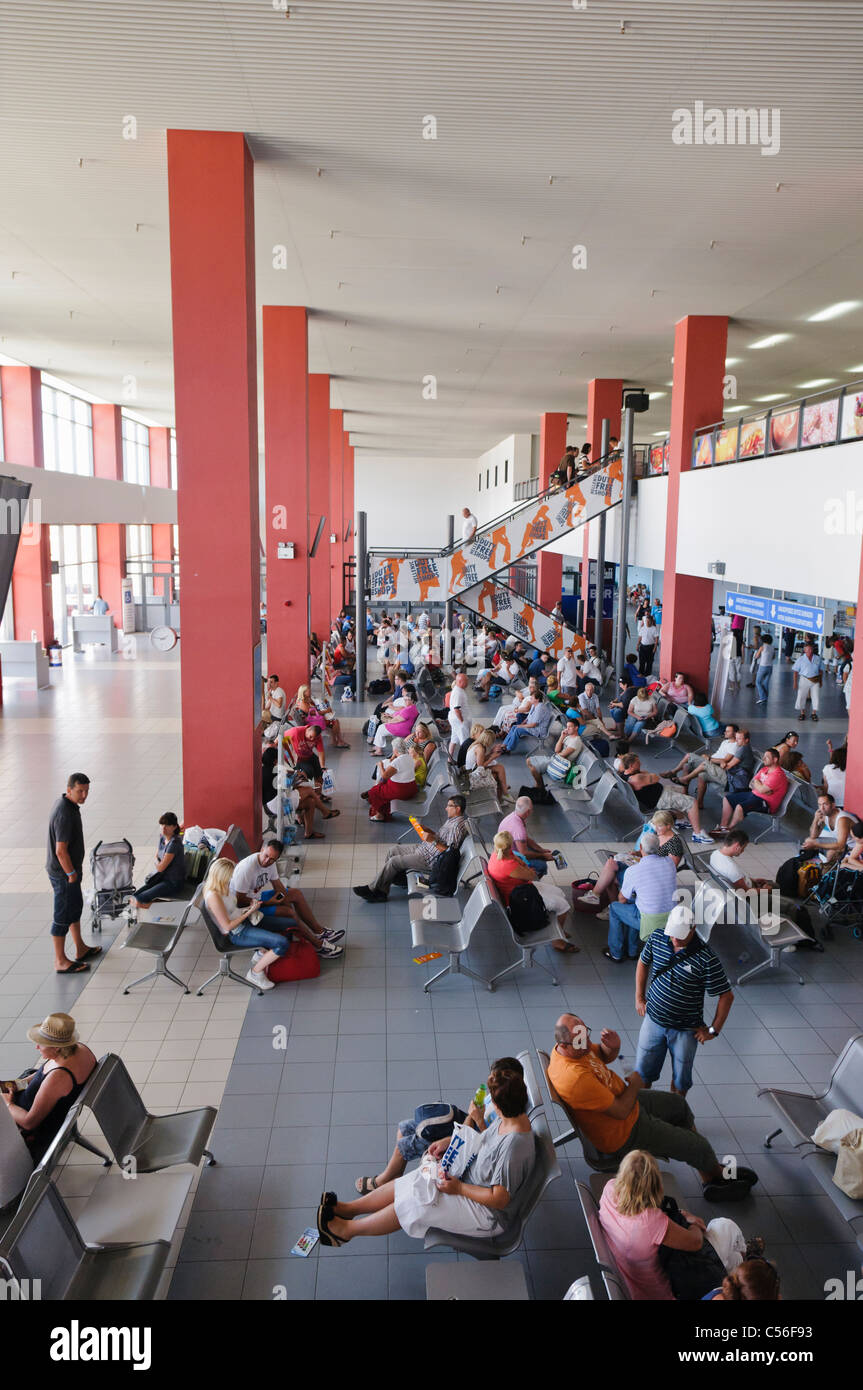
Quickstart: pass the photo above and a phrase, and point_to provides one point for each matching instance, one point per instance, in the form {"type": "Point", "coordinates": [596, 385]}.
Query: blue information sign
{"type": "Point", "coordinates": [776, 610]}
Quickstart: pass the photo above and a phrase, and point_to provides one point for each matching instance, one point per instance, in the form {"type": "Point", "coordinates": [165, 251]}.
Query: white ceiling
{"type": "Point", "coordinates": [449, 257]}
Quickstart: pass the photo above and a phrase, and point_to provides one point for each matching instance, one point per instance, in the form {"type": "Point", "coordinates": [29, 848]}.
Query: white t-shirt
{"type": "Point", "coordinates": [252, 877]}
{"type": "Point", "coordinates": [834, 780]}
{"type": "Point", "coordinates": [725, 867]}
{"type": "Point", "coordinates": [404, 768]}
{"type": "Point", "coordinates": [458, 701]}
{"type": "Point", "coordinates": [647, 633]}
{"type": "Point", "coordinates": [726, 749]}
{"type": "Point", "coordinates": [567, 672]}
{"type": "Point", "coordinates": [590, 670]}
{"type": "Point", "coordinates": [508, 671]}
{"type": "Point", "coordinates": [767, 654]}
{"type": "Point", "coordinates": [276, 702]}
{"type": "Point", "coordinates": [468, 527]}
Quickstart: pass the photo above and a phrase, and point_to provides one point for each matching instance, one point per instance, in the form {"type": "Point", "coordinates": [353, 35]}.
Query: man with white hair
{"type": "Point", "coordinates": [617, 1116]}
{"type": "Point", "coordinates": [523, 846]}
{"type": "Point", "coordinates": [652, 883]}
{"type": "Point", "coordinates": [672, 1002]}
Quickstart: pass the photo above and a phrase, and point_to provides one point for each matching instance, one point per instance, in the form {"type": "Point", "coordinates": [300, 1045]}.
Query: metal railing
{"type": "Point", "coordinates": [830, 416]}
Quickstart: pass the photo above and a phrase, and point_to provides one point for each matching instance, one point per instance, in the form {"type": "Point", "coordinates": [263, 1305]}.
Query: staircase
{"type": "Point", "coordinates": [527, 528]}
{"type": "Point", "coordinates": [530, 622]}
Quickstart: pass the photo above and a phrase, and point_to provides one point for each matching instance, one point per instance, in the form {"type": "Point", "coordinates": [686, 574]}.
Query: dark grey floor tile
{"type": "Point", "coordinates": [360, 1076]}
{"type": "Point", "coordinates": [361, 1047]}
{"type": "Point", "coordinates": [229, 1189]}
{"type": "Point", "coordinates": [813, 1220]}
{"type": "Point", "coordinates": [359, 1107]}
{"type": "Point", "coordinates": [298, 1144]}
{"type": "Point", "coordinates": [324, 1022]}
{"type": "Point", "coordinates": [782, 1174]}
{"type": "Point", "coordinates": [291, 1185]}
{"type": "Point", "coordinates": [357, 1021]}
{"type": "Point", "coordinates": [259, 1078]}
{"type": "Point", "coordinates": [366, 1278]}
{"type": "Point", "coordinates": [217, 1235]}
{"type": "Point", "coordinates": [798, 1040]}
{"type": "Point", "coordinates": [291, 1278]}
{"type": "Point", "coordinates": [246, 1112]}
{"type": "Point", "coordinates": [797, 1280]}
{"type": "Point", "coordinates": [308, 1076]}
{"type": "Point", "coordinates": [310, 1048]}
{"type": "Point", "coordinates": [407, 1275]}
{"type": "Point", "coordinates": [552, 1271]}
{"type": "Point", "coordinates": [557, 1226]}
{"type": "Point", "coordinates": [421, 1076]}
{"type": "Point", "coordinates": [303, 1108]}
{"type": "Point", "coordinates": [218, 1281]}
{"type": "Point", "coordinates": [828, 1261]}
{"type": "Point", "coordinates": [276, 1231]}
{"type": "Point", "coordinates": [241, 1147]}
{"type": "Point", "coordinates": [411, 1047]}
{"type": "Point", "coordinates": [256, 1049]}
{"type": "Point", "coordinates": [361, 1144]}
{"type": "Point", "coordinates": [462, 1077]}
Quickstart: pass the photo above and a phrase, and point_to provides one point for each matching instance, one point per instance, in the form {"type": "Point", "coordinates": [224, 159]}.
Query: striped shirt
{"type": "Point", "coordinates": [451, 833]}
{"type": "Point", "coordinates": [676, 998]}
{"type": "Point", "coordinates": [651, 882]}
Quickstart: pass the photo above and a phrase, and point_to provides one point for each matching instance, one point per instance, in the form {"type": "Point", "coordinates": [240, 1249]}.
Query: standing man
{"type": "Point", "coordinates": [808, 673]}
{"type": "Point", "coordinates": [275, 701]}
{"type": "Point", "coordinates": [468, 526]}
{"type": "Point", "coordinates": [100, 606]}
{"type": "Point", "coordinates": [672, 1004]}
{"type": "Point", "coordinates": [64, 864]}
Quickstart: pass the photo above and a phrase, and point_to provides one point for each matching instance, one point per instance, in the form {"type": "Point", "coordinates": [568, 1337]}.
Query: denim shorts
{"type": "Point", "coordinates": [68, 903]}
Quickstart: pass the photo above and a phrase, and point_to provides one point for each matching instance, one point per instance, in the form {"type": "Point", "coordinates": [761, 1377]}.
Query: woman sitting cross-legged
{"type": "Point", "coordinates": [503, 1161]}
{"type": "Point", "coordinates": [396, 782]}
{"type": "Point", "coordinates": [319, 717]}
{"type": "Point", "coordinates": [482, 762]}
{"type": "Point", "coordinates": [233, 922]}
{"type": "Point", "coordinates": [398, 719]}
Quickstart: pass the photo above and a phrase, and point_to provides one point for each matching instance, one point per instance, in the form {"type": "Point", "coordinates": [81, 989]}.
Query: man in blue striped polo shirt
{"type": "Point", "coordinates": [672, 1005]}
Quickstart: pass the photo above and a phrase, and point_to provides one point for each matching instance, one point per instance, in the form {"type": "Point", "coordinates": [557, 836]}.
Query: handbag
{"type": "Point", "coordinates": [834, 1127]}
{"type": "Point", "coordinates": [691, 1273]}
{"type": "Point", "coordinates": [559, 768]}
{"type": "Point", "coordinates": [848, 1174]}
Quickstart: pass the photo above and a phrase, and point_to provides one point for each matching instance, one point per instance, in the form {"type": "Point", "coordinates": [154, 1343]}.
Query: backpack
{"type": "Point", "coordinates": [540, 796]}
{"type": "Point", "coordinates": [379, 688]}
{"type": "Point", "coordinates": [691, 1273]}
{"type": "Point", "coordinates": [527, 911]}
{"type": "Point", "coordinates": [443, 874]}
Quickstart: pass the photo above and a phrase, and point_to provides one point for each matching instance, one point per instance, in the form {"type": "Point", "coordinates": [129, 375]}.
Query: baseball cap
{"type": "Point", "coordinates": [680, 922]}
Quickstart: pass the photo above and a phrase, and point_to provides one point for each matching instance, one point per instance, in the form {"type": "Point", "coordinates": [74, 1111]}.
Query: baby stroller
{"type": "Point", "coordinates": [839, 895]}
{"type": "Point", "coordinates": [111, 864]}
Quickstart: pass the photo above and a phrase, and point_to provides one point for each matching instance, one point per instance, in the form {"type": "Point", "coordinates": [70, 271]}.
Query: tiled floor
{"type": "Point", "coordinates": [312, 1078]}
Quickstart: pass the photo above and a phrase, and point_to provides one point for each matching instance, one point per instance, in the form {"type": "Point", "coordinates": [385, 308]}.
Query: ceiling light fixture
{"type": "Point", "coordinates": [818, 381]}
{"type": "Point", "coordinates": [771, 340]}
{"type": "Point", "coordinates": [834, 311]}
{"type": "Point", "coordinates": [774, 396]}
{"type": "Point", "coordinates": [655, 395]}
{"type": "Point", "coordinates": [736, 409]}
{"type": "Point", "coordinates": [732, 361]}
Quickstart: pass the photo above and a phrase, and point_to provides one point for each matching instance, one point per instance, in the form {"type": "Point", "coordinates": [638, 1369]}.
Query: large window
{"type": "Point", "coordinates": [173, 438]}
{"type": "Point", "coordinates": [67, 432]}
{"type": "Point", "coordinates": [139, 561]}
{"type": "Point", "coordinates": [136, 452]}
{"type": "Point", "coordinates": [76, 582]}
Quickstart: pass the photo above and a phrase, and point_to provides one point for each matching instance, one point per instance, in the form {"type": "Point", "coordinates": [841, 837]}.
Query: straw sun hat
{"type": "Point", "coordinates": [57, 1030]}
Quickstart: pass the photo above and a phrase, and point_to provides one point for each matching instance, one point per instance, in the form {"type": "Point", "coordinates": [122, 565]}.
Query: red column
{"type": "Point", "coordinates": [348, 516]}
{"type": "Point", "coordinates": [286, 460]}
{"type": "Point", "coordinates": [319, 500]}
{"type": "Point", "coordinates": [700, 344]}
{"type": "Point", "coordinates": [854, 770]}
{"type": "Point", "coordinates": [604, 399]}
{"type": "Point", "coordinates": [110, 535]}
{"type": "Point", "coordinates": [552, 442]}
{"type": "Point", "coordinates": [211, 201]}
{"type": "Point", "coordinates": [31, 576]}
{"type": "Point", "coordinates": [163, 532]}
{"type": "Point", "coordinates": [335, 524]}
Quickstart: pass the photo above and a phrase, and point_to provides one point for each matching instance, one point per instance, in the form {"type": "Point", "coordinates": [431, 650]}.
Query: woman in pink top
{"type": "Point", "coordinates": [635, 1226]}
{"type": "Point", "coordinates": [678, 691]}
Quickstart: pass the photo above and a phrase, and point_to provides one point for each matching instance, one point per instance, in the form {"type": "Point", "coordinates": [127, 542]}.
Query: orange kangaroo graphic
{"type": "Point", "coordinates": [486, 592]}
{"type": "Point", "coordinates": [557, 645]}
{"type": "Point", "coordinates": [500, 538]}
{"type": "Point", "coordinates": [425, 585]}
{"type": "Point", "coordinates": [528, 616]}
{"type": "Point", "coordinates": [539, 519]}
{"type": "Point", "coordinates": [614, 473]}
{"type": "Point", "coordinates": [396, 566]}
{"type": "Point", "coordinates": [574, 502]}
{"type": "Point", "coordinates": [457, 571]}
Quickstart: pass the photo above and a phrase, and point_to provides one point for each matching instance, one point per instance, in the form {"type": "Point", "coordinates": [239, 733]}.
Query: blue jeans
{"type": "Point", "coordinates": [653, 1043]}
{"type": "Point", "coordinates": [157, 887]}
{"type": "Point", "coordinates": [510, 743]}
{"type": "Point", "coordinates": [538, 864]}
{"type": "Point", "coordinates": [624, 925]}
{"type": "Point", "coordinates": [762, 680]}
{"type": "Point", "coordinates": [632, 726]}
{"type": "Point", "coordinates": [246, 935]}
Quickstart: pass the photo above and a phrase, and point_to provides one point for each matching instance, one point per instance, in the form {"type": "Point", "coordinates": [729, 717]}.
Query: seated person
{"type": "Point", "coordinates": [630, 670]}
{"type": "Point", "coordinates": [396, 781]}
{"type": "Point", "coordinates": [764, 793]}
{"type": "Point", "coordinates": [40, 1101]}
{"type": "Point", "coordinates": [794, 764]}
{"type": "Point", "coordinates": [536, 725]}
{"type": "Point", "coordinates": [652, 794]}
{"type": "Point", "coordinates": [524, 847]}
{"type": "Point", "coordinates": [706, 768]}
{"type": "Point", "coordinates": [678, 690]}
{"type": "Point", "coordinates": [723, 862]}
{"type": "Point", "coordinates": [756, 1280]}
{"type": "Point", "coordinates": [306, 745]}
{"type": "Point", "coordinates": [635, 1226]}
{"type": "Point", "coordinates": [642, 713]}
{"type": "Point", "coordinates": [507, 870]}
{"type": "Point", "coordinates": [569, 745]}
{"type": "Point", "coordinates": [418, 859]}
{"type": "Point", "coordinates": [626, 693]}
{"type": "Point", "coordinates": [421, 739]}
{"type": "Point", "coordinates": [420, 765]}
{"type": "Point", "coordinates": [506, 671]}
{"type": "Point", "coordinates": [652, 882]}
{"type": "Point", "coordinates": [319, 716]}
{"type": "Point", "coordinates": [234, 923]}
{"type": "Point", "coordinates": [829, 832]}
{"type": "Point", "coordinates": [275, 701]}
{"type": "Point", "coordinates": [414, 1136]}
{"type": "Point", "coordinates": [169, 876]}
{"type": "Point", "coordinates": [482, 763]}
{"type": "Point", "coordinates": [833, 775]}
{"type": "Point", "coordinates": [617, 1116]}
{"type": "Point", "coordinates": [591, 667]}
{"type": "Point", "coordinates": [621, 748]}
{"type": "Point", "coordinates": [553, 692]}
{"type": "Point", "coordinates": [607, 890]}
{"type": "Point", "coordinates": [788, 745]}
{"type": "Point", "coordinates": [257, 878]}
{"type": "Point", "coordinates": [398, 719]}
{"type": "Point", "coordinates": [413, 1203]}
{"type": "Point", "coordinates": [302, 797]}
{"type": "Point", "coordinates": [515, 712]}
{"type": "Point", "coordinates": [702, 712]}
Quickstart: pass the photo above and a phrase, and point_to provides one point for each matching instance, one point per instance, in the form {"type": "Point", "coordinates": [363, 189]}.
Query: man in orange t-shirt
{"type": "Point", "coordinates": [617, 1116]}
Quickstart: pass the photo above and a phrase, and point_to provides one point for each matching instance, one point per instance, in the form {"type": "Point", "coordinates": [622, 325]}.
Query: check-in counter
{"type": "Point", "coordinates": [25, 659]}
{"type": "Point", "coordinates": [93, 630]}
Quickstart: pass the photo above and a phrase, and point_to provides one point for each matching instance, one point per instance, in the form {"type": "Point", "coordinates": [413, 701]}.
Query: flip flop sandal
{"type": "Point", "coordinates": [568, 950]}
{"type": "Point", "coordinates": [365, 1185]}
{"type": "Point", "coordinates": [76, 968]}
{"type": "Point", "coordinates": [315, 835]}
{"type": "Point", "coordinates": [330, 814]}
{"type": "Point", "coordinates": [90, 952]}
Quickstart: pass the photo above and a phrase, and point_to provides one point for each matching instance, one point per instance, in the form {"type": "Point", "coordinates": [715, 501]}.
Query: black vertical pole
{"type": "Point", "coordinates": [360, 579]}
{"type": "Point", "coordinates": [600, 549]}
{"type": "Point", "coordinates": [625, 504]}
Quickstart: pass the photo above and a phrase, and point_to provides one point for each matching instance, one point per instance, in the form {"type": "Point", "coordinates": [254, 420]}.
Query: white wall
{"type": "Point", "coordinates": [67, 499]}
{"type": "Point", "coordinates": [407, 501]}
{"type": "Point", "coordinates": [510, 456]}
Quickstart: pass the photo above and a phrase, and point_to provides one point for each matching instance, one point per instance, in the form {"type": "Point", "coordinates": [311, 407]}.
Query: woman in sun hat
{"type": "Point", "coordinates": [40, 1102]}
